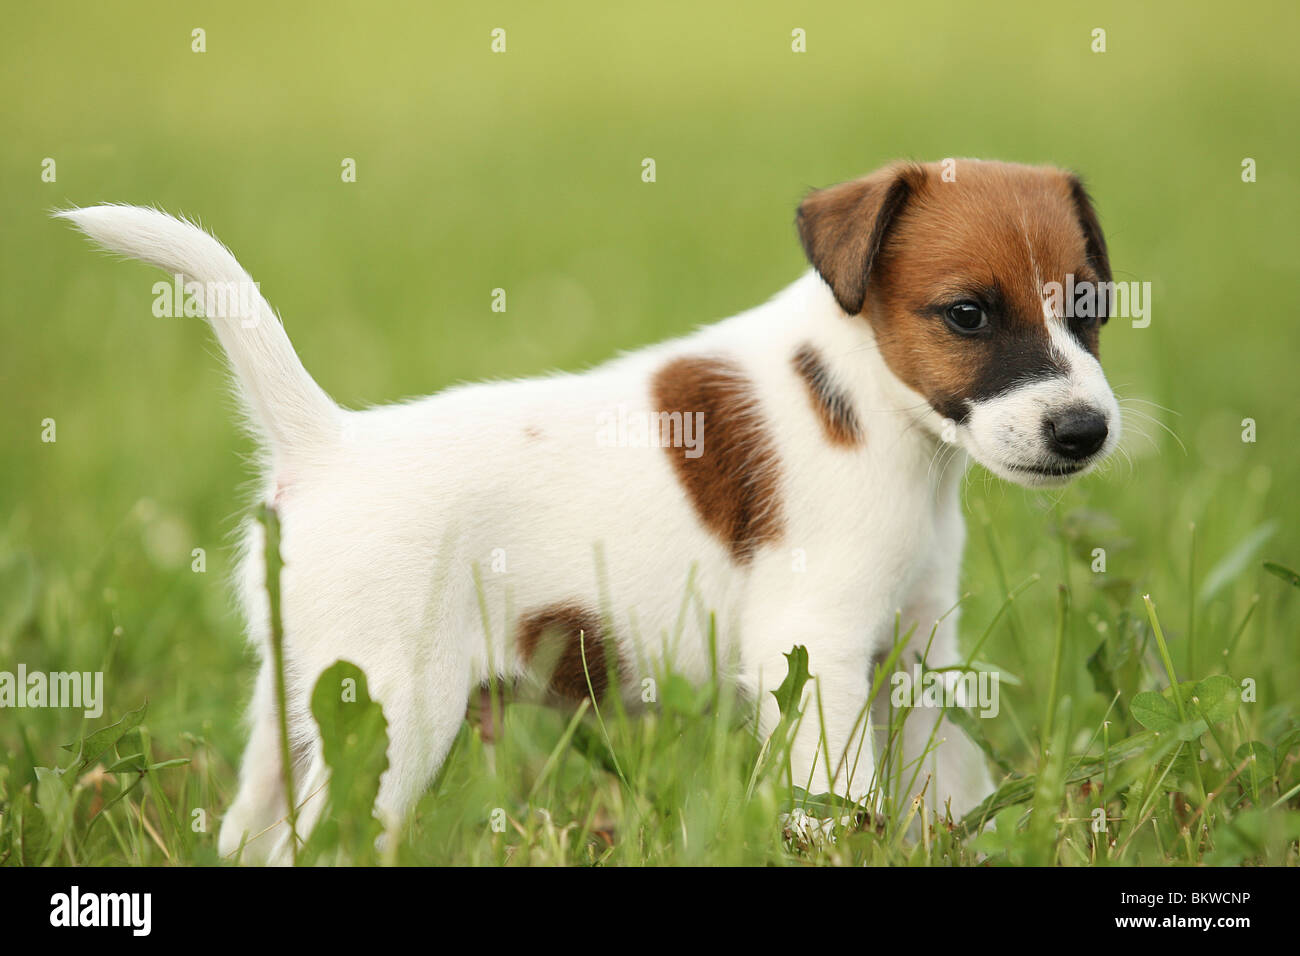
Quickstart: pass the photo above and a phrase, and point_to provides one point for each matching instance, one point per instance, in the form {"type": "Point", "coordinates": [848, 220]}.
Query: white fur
{"type": "Point", "coordinates": [1005, 434]}
{"type": "Point", "coordinates": [392, 514]}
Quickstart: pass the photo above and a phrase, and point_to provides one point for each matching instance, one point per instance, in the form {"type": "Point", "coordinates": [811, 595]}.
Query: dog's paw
{"type": "Point", "coordinates": [805, 831]}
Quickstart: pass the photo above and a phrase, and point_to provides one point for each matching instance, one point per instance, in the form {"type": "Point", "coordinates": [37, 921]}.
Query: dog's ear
{"type": "Point", "coordinates": [843, 227]}
{"type": "Point", "coordinates": [1094, 240]}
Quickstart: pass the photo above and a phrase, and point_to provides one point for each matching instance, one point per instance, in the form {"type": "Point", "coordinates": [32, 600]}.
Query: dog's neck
{"type": "Point", "coordinates": [897, 420]}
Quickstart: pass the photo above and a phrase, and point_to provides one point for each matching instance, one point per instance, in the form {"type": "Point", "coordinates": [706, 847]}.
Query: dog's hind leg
{"type": "Point", "coordinates": [311, 778]}
{"type": "Point", "coordinates": [423, 703]}
{"type": "Point", "coordinates": [252, 819]}
{"type": "Point", "coordinates": [424, 707]}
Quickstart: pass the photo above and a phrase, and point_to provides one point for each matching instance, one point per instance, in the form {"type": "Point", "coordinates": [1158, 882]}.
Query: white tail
{"type": "Point", "coordinates": [283, 402]}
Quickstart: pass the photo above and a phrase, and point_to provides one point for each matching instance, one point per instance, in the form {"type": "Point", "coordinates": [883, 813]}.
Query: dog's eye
{"type": "Point", "coordinates": [965, 317]}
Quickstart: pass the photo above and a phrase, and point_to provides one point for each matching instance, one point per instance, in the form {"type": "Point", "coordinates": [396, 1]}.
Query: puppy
{"type": "Point", "coordinates": [794, 469]}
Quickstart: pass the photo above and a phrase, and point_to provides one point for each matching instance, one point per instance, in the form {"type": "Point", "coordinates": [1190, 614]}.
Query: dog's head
{"type": "Point", "coordinates": [960, 268]}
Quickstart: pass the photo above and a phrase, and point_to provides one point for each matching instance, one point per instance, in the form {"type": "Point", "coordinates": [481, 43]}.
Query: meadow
{"type": "Point", "coordinates": [522, 170]}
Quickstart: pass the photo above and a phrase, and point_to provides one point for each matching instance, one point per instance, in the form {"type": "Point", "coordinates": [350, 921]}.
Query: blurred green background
{"type": "Point", "coordinates": [523, 171]}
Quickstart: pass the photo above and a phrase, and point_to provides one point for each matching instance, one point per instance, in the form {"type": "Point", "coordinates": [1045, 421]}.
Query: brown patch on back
{"type": "Point", "coordinates": [829, 402]}
{"type": "Point", "coordinates": [532, 432]}
{"type": "Point", "coordinates": [997, 233]}
{"type": "Point", "coordinates": [733, 484]}
{"type": "Point", "coordinates": [555, 637]}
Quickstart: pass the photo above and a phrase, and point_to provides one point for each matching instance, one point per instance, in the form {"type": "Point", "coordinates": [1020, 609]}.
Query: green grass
{"type": "Point", "coordinates": [522, 172]}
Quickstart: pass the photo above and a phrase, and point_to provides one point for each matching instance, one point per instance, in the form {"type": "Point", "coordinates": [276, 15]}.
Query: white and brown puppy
{"type": "Point", "coordinates": [778, 468]}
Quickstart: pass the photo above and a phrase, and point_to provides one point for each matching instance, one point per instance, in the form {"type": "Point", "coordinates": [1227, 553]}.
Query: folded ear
{"type": "Point", "coordinates": [844, 227]}
{"type": "Point", "coordinates": [1095, 242]}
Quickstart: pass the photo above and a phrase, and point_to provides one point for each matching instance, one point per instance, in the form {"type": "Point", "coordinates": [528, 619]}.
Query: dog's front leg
{"type": "Point", "coordinates": [933, 747]}
{"type": "Point", "coordinates": [831, 751]}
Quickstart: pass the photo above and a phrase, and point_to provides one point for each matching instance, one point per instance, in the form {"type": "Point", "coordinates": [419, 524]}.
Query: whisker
{"type": "Point", "coordinates": [1158, 422]}
{"type": "Point", "coordinates": [1144, 401]}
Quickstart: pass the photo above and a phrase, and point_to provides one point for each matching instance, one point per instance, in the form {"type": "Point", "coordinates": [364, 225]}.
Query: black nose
{"type": "Point", "coordinates": [1076, 432]}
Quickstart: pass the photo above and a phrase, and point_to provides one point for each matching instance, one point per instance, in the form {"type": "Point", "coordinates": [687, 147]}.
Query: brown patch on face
{"type": "Point", "coordinates": [555, 637]}
{"type": "Point", "coordinates": [829, 402]}
{"type": "Point", "coordinates": [994, 236]}
{"type": "Point", "coordinates": [532, 432]}
{"type": "Point", "coordinates": [733, 484]}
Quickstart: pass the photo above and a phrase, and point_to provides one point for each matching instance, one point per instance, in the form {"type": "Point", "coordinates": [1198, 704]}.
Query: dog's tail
{"type": "Point", "coordinates": [284, 404]}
